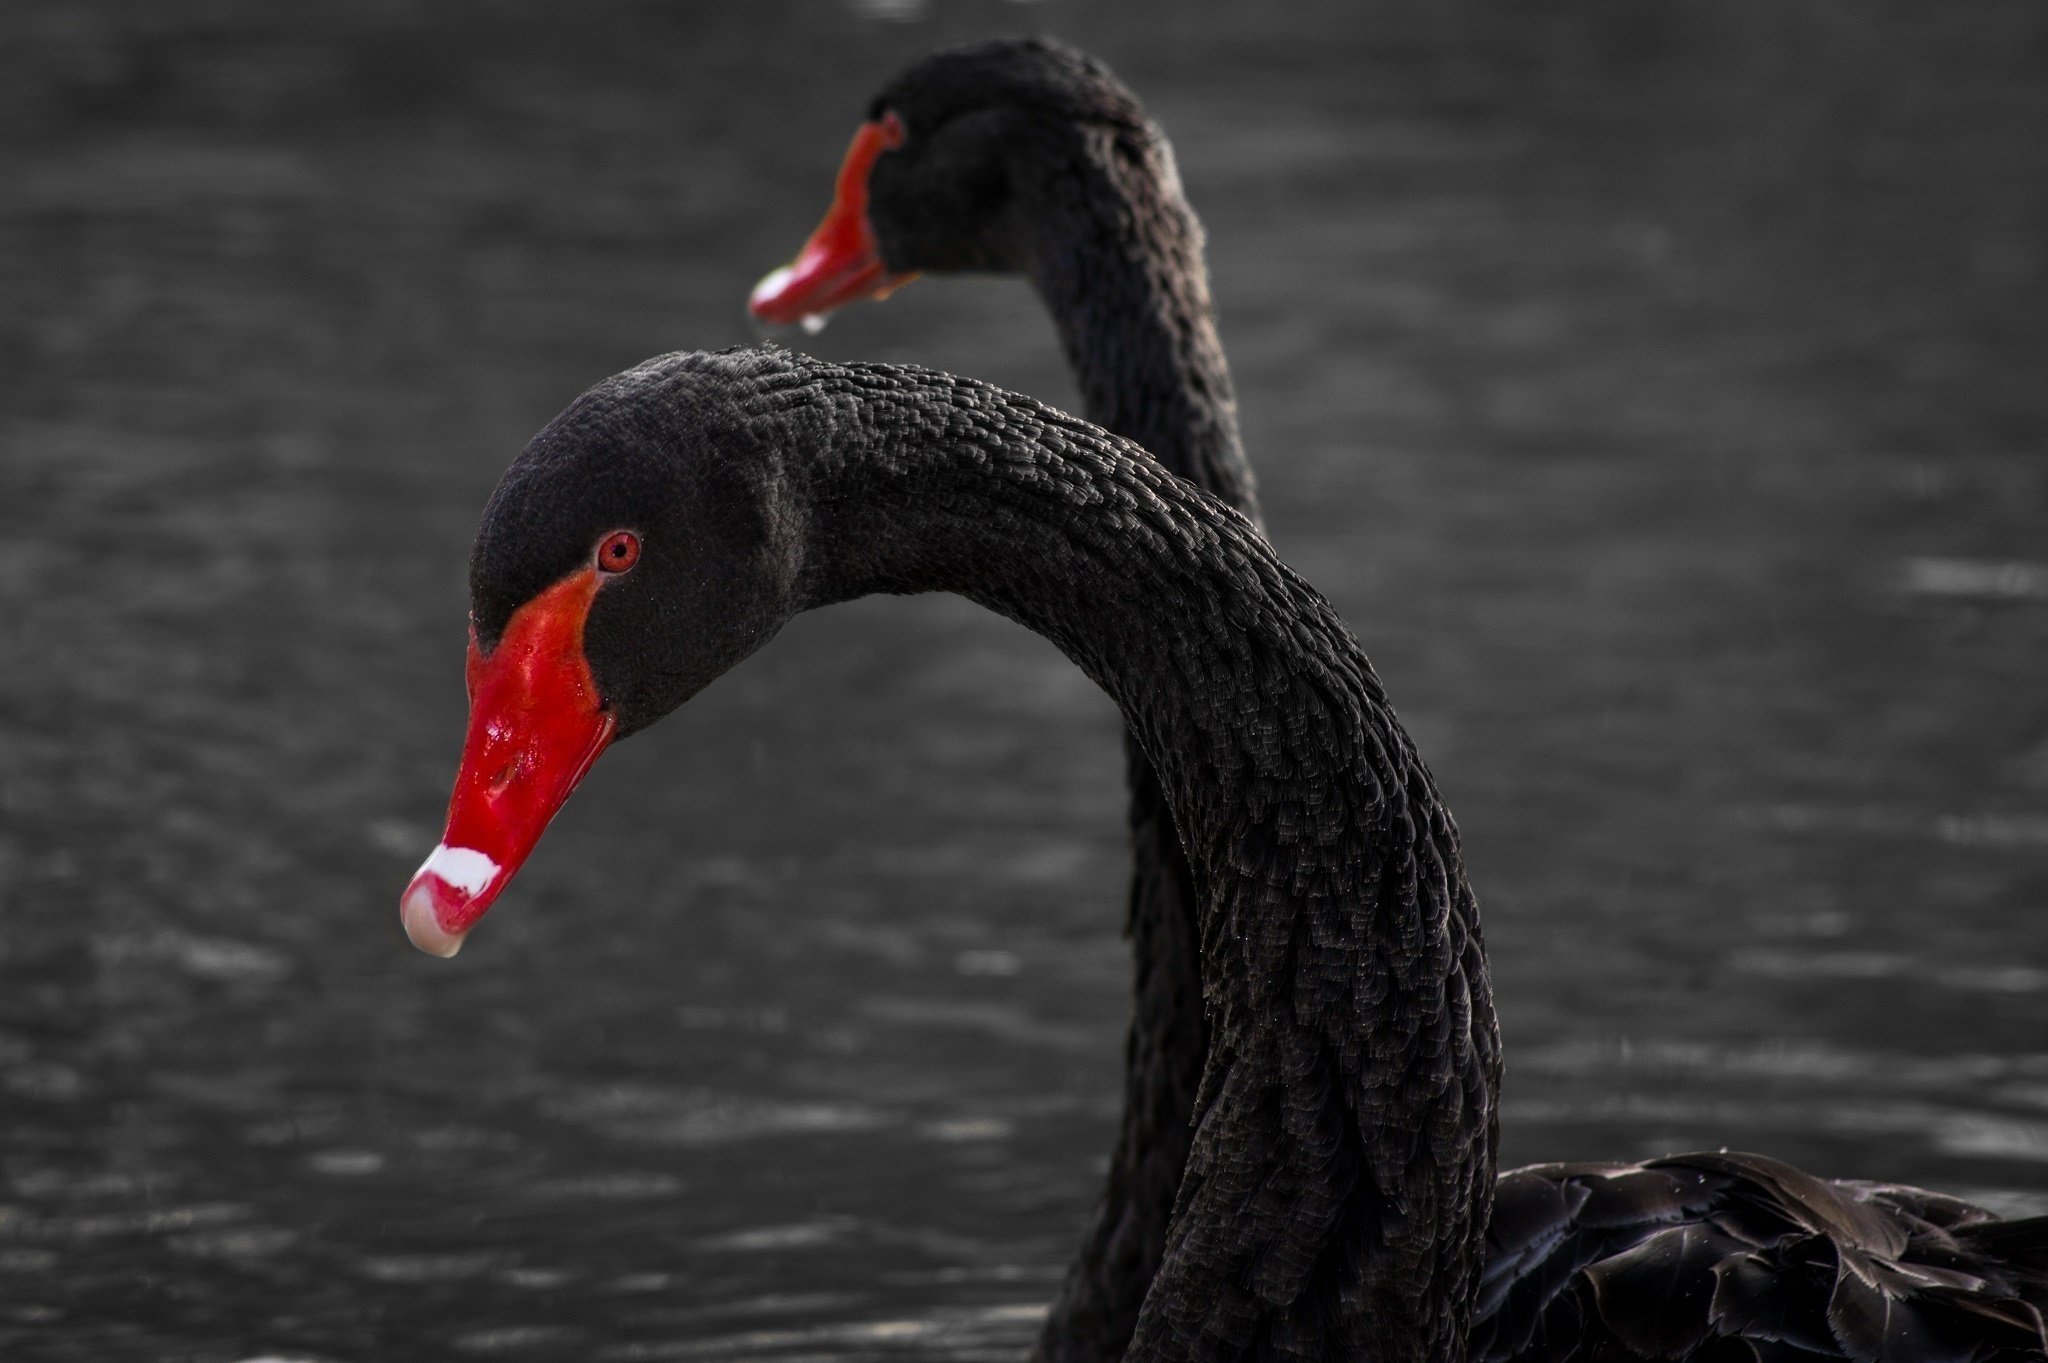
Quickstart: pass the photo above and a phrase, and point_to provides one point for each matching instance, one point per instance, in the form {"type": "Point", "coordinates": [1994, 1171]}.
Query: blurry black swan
{"type": "Point", "coordinates": [1338, 1189]}
{"type": "Point", "coordinates": [1026, 157]}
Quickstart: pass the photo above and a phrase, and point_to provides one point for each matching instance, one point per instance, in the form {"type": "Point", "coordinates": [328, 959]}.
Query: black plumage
{"type": "Point", "coordinates": [1028, 157]}
{"type": "Point", "coordinates": [1731, 1256]}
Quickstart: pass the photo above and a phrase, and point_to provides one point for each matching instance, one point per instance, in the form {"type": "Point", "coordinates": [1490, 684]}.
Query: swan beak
{"type": "Point", "coordinates": [536, 724]}
{"type": "Point", "coordinates": [842, 262]}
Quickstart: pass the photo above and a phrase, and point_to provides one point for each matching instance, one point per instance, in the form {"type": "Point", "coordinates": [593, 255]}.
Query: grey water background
{"type": "Point", "coordinates": [1661, 390]}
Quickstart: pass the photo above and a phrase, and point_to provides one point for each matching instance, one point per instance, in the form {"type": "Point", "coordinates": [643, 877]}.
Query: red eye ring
{"type": "Point", "coordinates": [618, 552]}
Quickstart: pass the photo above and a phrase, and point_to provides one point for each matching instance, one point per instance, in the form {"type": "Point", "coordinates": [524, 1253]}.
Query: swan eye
{"type": "Point", "coordinates": [618, 552]}
{"type": "Point", "coordinates": [894, 134]}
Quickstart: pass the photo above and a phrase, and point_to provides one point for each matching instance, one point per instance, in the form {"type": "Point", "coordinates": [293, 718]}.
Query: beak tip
{"type": "Point", "coordinates": [420, 911]}
{"type": "Point", "coordinates": [762, 301]}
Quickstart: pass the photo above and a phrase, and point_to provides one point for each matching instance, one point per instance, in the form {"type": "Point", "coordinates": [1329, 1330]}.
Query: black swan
{"type": "Point", "coordinates": [1340, 1181]}
{"type": "Point", "coordinates": [1027, 157]}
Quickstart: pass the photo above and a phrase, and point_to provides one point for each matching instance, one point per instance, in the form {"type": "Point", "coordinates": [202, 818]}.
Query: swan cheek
{"type": "Point", "coordinates": [536, 724]}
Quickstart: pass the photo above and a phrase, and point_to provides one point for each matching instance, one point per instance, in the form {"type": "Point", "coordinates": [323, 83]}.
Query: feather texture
{"type": "Point", "coordinates": [1336, 1196]}
{"type": "Point", "coordinates": [1719, 1256]}
{"type": "Point", "coordinates": [1729, 1257]}
{"type": "Point", "coordinates": [1093, 215]}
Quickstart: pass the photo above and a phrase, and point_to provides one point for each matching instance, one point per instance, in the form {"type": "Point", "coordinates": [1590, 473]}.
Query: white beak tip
{"type": "Point", "coordinates": [771, 286]}
{"type": "Point", "coordinates": [421, 915]}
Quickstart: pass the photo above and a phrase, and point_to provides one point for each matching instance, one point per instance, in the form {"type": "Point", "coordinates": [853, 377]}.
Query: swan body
{"type": "Point", "coordinates": [1734, 1256]}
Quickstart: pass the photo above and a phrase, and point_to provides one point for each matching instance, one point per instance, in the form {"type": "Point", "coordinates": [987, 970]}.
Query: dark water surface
{"type": "Point", "coordinates": [1661, 391]}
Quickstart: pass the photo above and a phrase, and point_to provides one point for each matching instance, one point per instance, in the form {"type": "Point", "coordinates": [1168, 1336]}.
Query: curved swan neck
{"type": "Point", "coordinates": [1167, 600]}
{"type": "Point", "coordinates": [1124, 278]}
{"type": "Point", "coordinates": [1336, 1192]}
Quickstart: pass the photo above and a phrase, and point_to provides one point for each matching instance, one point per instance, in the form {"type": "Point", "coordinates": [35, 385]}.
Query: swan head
{"type": "Point", "coordinates": [639, 547]}
{"type": "Point", "coordinates": [963, 158]}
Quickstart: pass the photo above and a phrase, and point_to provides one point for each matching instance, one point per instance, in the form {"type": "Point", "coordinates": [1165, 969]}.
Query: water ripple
{"type": "Point", "coordinates": [2010, 580]}
{"type": "Point", "coordinates": [698, 1117]}
{"type": "Point", "coordinates": [969, 1333]}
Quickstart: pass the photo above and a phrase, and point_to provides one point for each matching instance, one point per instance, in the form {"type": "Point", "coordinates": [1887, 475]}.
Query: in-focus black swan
{"type": "Point", "coordinates": [1027, 157]}
{"type": "Point", "coordinates": [666, 525]}
{"type": "Point", "coordinates": [673, 518]}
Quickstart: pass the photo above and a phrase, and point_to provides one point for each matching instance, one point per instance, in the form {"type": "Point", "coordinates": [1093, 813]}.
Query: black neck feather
{"type": "Point", "coordinates": [1343, 1156]}
{"type": "Point", "coordinates": [1119, 266]}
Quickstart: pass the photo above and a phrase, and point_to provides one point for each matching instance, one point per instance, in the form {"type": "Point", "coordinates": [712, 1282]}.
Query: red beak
{"type": "Point", "coordinates": [841, 263]}
{"type": "Point", "coordinates": [536, 723]}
